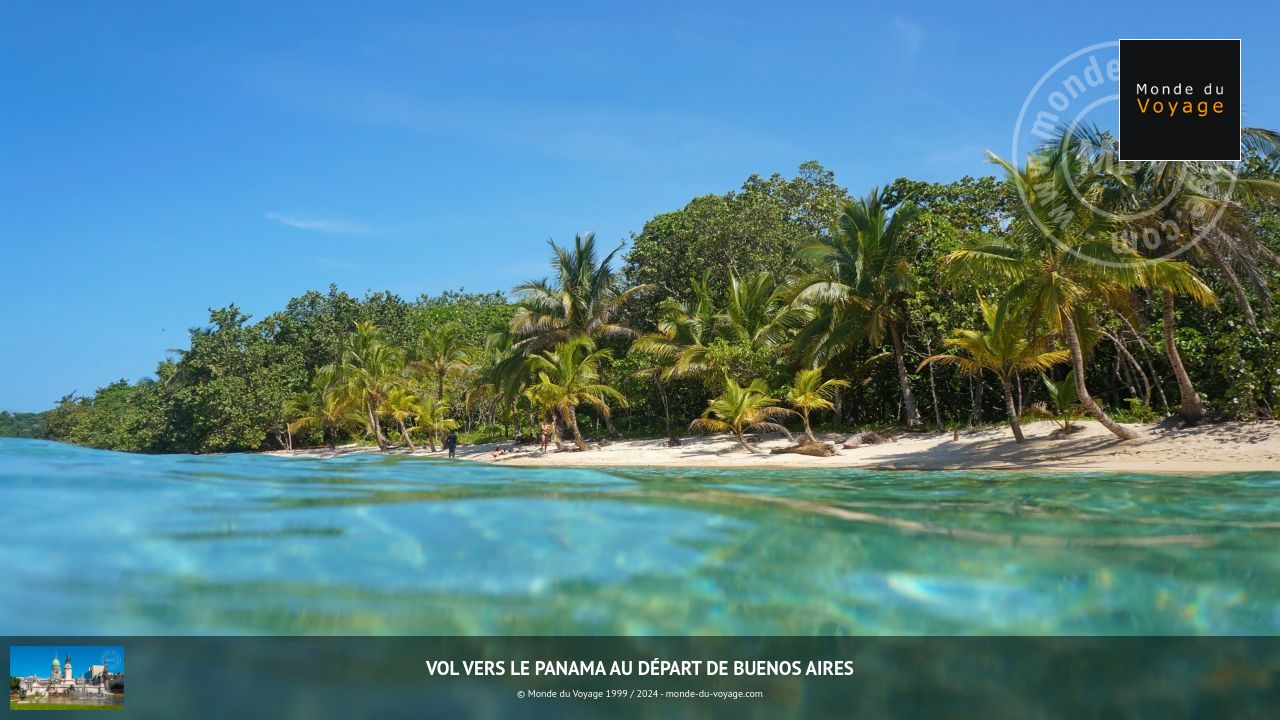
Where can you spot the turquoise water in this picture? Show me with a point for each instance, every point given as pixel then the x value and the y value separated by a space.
pixel 107 543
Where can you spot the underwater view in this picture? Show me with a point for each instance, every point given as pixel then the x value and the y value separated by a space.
pixel 97 542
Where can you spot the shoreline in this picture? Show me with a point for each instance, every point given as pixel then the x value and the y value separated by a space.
pixel 1206 449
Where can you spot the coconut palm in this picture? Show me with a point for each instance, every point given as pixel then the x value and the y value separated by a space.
pixel 862 280
pixel 441 353
pixel 433 419
pixel 1170 278
pixel 1062 394
pixel 585 298
pixel 684 331
pixel 1058 258
pixel 741 409
pixel 756 314
pixel 810 392
pixel 369 369
pixel 568 375
pixel 323 406
pixel 402 406
pixel 1170 208
pixel 1006 347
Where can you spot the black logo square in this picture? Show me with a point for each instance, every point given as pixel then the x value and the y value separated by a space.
pixel 1180 100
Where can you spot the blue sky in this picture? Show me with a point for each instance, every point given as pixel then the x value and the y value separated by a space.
pixel 159 159
pixel 37 660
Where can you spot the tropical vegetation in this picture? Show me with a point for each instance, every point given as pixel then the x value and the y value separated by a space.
pixel 771 308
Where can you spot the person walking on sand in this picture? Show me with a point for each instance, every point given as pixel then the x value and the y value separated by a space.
pixel 546 435
pixel 451 442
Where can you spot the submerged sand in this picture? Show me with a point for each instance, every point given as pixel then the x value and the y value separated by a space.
pixel 1224 447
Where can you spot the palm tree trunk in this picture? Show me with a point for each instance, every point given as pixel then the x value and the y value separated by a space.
pixel 808 434
pixel 742 440
pixel 1191 408
pixel 405 434
pixel 571 416
pixel 376 426
pixel 1242 298
pixel 1082 392
pixel 908 400
pixel 1011 409
pixel 666 408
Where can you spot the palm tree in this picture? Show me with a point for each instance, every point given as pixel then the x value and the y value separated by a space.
pixel 1206 203
pixel 684 331
pixel 740 409
pixel 324 406
pixel 1006 347
pixel 862 280
pixel 1058 257
pixel 402 406
pixel 756 314
pixel 810 392
pixel 1062 393
pixel 441 353
pixel 1169 206
pixel 1177 278
pixel 433 419
pixel 568 376
pixel 585 298
pixel 370 368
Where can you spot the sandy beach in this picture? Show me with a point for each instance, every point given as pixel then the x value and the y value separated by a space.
pixel 1225 447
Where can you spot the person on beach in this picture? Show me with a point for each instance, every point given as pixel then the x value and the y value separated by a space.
pixel 546 435
pixel 451 442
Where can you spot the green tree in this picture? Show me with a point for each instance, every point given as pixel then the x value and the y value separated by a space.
pixel 861 282
pixel 568 375
pixel 754 229
pixel 402 406
pixel 1006 347
pixel 586 297
pixel 1058 256
pixel 433 419
pixel 325 406
pixel 810 392
pixel 741 409
pixel 441 353
pixel 370 369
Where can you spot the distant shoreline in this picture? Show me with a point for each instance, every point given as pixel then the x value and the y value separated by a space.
pixel 1210 448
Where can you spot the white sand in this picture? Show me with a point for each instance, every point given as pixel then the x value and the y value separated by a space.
pixel 1226 447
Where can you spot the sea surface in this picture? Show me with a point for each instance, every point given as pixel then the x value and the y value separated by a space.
pixel 98 543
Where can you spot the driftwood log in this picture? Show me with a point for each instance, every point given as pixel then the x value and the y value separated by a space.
pixel 816 449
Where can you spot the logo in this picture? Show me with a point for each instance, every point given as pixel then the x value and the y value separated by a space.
pixel 1161 207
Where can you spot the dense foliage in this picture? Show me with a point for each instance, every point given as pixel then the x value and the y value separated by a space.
pixel 785 303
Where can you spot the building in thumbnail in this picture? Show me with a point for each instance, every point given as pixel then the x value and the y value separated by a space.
pixel 62 681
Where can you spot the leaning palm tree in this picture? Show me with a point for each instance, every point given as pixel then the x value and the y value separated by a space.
pixel 568 376
pixel 402 406
pixel 1058 259
pixel 585 297
pixel 741 409
pixel 1170 278
pixel 1184 207
pixel 810 392
pixel 369 369
pixel 862 281
pixel 1006 347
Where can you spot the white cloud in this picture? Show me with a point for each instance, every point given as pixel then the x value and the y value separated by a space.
pixel 324 225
